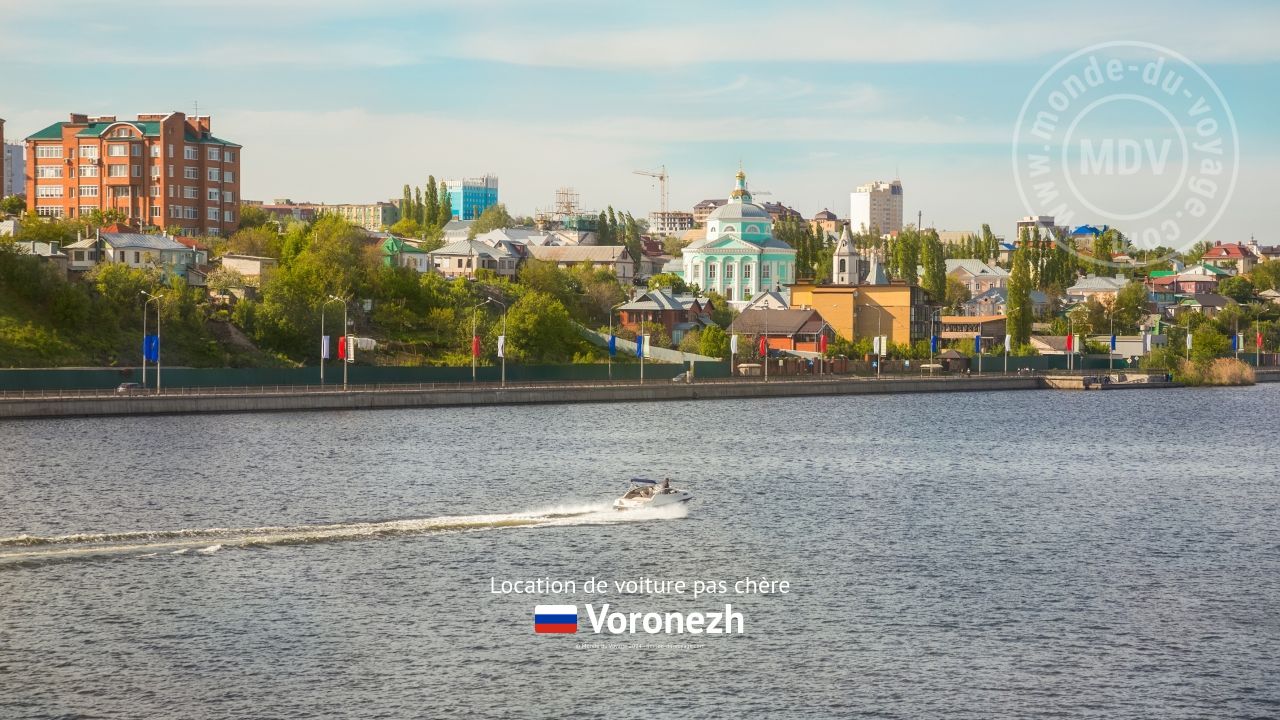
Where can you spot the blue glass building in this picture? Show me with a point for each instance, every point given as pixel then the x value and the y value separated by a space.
pixel 471 196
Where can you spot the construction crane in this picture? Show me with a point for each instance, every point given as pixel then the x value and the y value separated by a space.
pixel 661 174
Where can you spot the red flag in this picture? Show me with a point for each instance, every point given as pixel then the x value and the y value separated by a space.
pixel 475 345
pixel 342 347
pixel 764 346
pixel 1259 341
pixel 1070 343
pixel 822 344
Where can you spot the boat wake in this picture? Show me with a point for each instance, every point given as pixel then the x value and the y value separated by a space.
pixel 34 549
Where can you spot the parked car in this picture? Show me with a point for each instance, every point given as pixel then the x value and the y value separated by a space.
pixel 128 388
pixel 682 377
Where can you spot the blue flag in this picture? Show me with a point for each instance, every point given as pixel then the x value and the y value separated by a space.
pixel 1113 343
pixel 151 348
pixel 613 345
pixel 977 344
pixel 933 344
pixel 639 346
pixel 1235 343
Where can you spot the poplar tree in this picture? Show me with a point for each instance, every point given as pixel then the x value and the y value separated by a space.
pixel 602 230
pixel 935 266
pixel 431 201
pixel 406 203
pixel 445 213
pixel 1018 318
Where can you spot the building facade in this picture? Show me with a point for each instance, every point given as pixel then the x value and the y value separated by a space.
pixel 739 256
pixel 876 205
pixel 471 196
pixel 165 171
pixel 13 168
pixel 670 223
pixel 370 216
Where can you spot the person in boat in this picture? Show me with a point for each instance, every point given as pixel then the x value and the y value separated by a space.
pixel 666 484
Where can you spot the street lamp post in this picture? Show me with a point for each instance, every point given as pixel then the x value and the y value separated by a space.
pixel 474 339
pixel 324 345
pixel 144 338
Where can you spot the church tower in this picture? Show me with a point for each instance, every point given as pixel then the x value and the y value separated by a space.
pixel 844 263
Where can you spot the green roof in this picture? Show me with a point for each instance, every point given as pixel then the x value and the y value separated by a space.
pixel 1162 273
pixel 150 128
pixel 53 132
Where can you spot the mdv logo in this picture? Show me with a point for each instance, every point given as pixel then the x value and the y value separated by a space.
pixel 1124 156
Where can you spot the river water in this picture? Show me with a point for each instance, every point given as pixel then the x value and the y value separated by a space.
pixel 1014 554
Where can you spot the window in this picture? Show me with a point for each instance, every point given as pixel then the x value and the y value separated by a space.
pixel 215 153
pixel 229 176
pixel 49 210
pixel 48 151
pixel 155 151
pixel 155 171
pixel 228 196
pixel 117 171
pixel 711 271
pixel 175 211
pixel 170 150
pixel 137 256
pixel 842 265
pixel 213 213
pixel 173 191
pixel 155 191
pixel 190 173
pixel 51 171
pixel 137 171
pixel 765 271
pixel 155 211
pixel 88 171
pixel 212 196
pixel 120 192
pixel 170 171
pixel 215 174
pixel 136 150
pixel 79 256
pixel 190 213
pixel 117 150
pixel 189 192
pixel 189 153
pixel 728 271
pixel 746 271
pixel 48 191
pixel 228 216
pixel 88 191
pixel 120 132
pixel 89 152
pixel 229 156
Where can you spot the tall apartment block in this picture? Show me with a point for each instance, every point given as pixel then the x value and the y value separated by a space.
pixel 164 171
pixel 471 196
pixel 2 163
pixel 876 205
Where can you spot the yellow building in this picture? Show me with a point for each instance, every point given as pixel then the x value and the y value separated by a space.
pixel 873 306
pixel 897 310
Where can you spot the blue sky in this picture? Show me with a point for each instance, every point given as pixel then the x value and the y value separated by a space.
pixel 342 101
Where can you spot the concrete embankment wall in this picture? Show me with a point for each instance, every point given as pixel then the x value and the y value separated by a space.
pixel 463 396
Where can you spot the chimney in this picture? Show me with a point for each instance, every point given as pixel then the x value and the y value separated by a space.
pixel 79 119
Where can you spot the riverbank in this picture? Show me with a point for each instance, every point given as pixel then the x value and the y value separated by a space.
pixel 289 399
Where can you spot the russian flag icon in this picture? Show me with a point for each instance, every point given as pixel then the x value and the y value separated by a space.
pixel 555 618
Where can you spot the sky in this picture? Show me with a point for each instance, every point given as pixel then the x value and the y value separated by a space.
pixel 348 101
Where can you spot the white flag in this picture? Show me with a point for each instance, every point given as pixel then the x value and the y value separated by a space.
pixel 324 347
pixel 733 343
pixel 1188 340
pixel 502 344
pixel 1008 343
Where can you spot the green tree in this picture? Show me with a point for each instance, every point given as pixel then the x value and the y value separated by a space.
pixel 407 208
pixel 445 213
pixel 1019 302
pixel 419 211
pixel 539 330
pixel 714 342
pixel 432 204
pixel 253 216
pixel 1130 307
pixel 1207 343
pixel 668 280
pixel 13 205
pixel 1266 275
pixel 494 217
pixel 1237 288
pixel 935 267
pixel 259 241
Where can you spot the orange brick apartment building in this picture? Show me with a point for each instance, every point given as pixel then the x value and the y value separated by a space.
pixel 163 171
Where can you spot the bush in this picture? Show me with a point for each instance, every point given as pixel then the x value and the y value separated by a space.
pixel 1221 371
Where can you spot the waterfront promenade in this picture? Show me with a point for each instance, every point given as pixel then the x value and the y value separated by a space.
pixel 82 403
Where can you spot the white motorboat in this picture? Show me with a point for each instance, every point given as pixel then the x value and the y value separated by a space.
pixel 646 493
